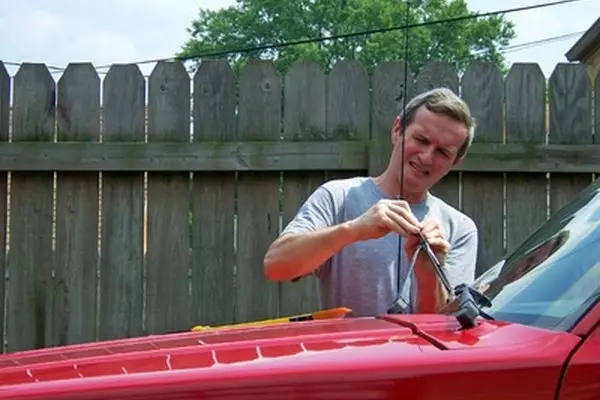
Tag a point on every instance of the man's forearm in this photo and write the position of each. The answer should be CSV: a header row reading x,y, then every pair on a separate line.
x,y
431,293
295,255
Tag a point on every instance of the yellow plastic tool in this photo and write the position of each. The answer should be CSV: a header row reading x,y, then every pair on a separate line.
x,y
332,313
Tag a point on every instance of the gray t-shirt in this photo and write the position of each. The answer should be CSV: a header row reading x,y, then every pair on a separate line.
x,y
364,275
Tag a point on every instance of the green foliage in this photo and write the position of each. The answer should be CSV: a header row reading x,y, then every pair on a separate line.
x,y
252,23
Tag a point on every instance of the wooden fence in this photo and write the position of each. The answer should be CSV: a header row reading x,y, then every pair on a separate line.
x,y
137,207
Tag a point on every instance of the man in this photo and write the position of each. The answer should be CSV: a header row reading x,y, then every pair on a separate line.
x,y
348,231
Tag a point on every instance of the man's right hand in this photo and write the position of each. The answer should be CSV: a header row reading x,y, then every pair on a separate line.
x,y
384,217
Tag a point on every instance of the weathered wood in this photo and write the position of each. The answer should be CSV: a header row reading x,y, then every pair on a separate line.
x,y
30,259
304,119
260,92
570,122
75,290
213,238
121,262
526,193
332,126
483,193
348,102
387,100
168,253
438,74
345,157
348,111
4,129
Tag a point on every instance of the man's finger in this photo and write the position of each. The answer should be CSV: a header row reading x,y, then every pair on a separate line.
x,y
407,216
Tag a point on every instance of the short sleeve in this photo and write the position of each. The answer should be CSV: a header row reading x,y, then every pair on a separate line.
x,y
316,213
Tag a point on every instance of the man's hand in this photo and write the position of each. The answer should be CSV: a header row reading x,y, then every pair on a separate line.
x,y
384,217
432,294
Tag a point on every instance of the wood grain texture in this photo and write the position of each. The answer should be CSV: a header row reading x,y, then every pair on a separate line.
x,y
168,306
304,119
258,199
483,193
122,258
570,122
525,123
333,156
75,288
5,95
387,100
30,259
213,199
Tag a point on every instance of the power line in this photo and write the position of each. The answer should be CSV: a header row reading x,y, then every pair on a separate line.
x,y
351,34
502,50
534,43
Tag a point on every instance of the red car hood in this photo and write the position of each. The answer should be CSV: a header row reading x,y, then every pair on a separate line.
x,y
212,358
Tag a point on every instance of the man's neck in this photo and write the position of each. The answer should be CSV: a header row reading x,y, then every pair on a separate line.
x,y
391,188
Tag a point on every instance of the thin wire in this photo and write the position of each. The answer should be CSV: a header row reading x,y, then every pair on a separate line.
x,y
403,138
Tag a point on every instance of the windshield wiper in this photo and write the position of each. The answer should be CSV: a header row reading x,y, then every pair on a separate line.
x,y
470,300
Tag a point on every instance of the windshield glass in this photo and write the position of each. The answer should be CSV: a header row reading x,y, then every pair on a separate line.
x,y
554,276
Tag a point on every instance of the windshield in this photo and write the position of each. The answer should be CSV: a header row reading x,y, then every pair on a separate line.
x,y
554,276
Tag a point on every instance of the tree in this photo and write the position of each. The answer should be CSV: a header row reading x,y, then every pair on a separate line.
x,y
252,23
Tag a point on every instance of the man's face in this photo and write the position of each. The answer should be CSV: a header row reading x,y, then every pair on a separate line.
x,y
431,146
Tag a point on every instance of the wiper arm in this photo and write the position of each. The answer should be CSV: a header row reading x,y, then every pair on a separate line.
x,y
470,299
469,302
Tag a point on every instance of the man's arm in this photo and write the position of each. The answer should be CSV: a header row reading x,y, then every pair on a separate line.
x,y
308,240
298,254
458,265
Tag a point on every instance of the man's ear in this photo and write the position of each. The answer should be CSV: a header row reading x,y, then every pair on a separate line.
x,y
395,131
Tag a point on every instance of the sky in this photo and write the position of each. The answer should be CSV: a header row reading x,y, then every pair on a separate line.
x,y
57,32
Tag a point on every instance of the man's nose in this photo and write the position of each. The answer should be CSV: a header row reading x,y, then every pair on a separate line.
x,y
427,155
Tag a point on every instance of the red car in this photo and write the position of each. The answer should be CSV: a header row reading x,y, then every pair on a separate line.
x,y
538,337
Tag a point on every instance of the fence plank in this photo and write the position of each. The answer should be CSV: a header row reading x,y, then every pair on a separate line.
x,y
75,291
121,266
4,130
570,122
387,100
213,201
168,252
304,119
30,259
438,74
483,200
348,110
341,157
525,123
258,193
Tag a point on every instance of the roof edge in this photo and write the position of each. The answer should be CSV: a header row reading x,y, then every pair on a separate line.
x,y
583,49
